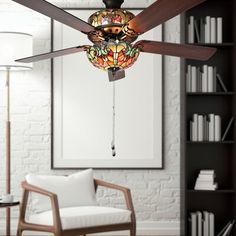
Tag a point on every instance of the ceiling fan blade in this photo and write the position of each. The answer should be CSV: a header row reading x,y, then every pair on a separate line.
x,y
116,75
49,55
177,50
57,14
159,12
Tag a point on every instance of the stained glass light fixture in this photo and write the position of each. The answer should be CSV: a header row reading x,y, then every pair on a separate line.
x,y
113,55
112,51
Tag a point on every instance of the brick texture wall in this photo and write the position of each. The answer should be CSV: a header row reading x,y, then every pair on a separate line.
x,y
156,193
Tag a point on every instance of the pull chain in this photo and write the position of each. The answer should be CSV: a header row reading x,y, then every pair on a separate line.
x,y
113,148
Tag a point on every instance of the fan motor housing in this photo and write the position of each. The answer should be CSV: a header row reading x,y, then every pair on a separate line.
x,y
110,24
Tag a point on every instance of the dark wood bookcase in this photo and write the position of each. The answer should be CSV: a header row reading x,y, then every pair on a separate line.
x,y
220,156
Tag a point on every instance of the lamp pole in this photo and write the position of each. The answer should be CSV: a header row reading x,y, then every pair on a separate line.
x,y
8,152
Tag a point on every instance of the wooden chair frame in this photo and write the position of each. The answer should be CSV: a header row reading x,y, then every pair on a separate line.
x,y
56,228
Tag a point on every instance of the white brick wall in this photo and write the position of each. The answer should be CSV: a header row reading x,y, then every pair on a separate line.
x,y
156,193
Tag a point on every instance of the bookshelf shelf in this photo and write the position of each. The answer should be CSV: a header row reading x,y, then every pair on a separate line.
x,y
217,75
213,192
207,142
218,45
211,94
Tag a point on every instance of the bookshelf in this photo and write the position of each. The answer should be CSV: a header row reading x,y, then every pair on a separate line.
x,y
219,156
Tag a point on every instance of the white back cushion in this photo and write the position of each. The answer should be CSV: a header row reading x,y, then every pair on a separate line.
x,y
73,190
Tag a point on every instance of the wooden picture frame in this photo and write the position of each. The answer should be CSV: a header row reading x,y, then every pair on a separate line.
x,y
82,107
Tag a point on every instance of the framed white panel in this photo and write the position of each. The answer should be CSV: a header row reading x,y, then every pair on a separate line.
x,y
82,107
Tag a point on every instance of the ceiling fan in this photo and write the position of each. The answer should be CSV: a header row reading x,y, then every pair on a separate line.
x,y
113,31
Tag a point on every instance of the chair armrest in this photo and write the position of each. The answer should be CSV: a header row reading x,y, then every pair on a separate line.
x,y
124,190
27,188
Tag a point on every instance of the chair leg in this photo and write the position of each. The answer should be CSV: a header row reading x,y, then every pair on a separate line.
x,y
19,232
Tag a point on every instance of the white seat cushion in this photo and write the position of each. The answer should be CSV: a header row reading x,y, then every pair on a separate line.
x,y
74,190
82,217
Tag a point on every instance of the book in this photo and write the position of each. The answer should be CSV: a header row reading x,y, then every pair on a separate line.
x,y
223,230
221,83
219,23
193,224
199,223
210,77
211,127
191,30
205,223
213,30
228,229
207,30
188,80
207,172
227,129
217,128
194,79
211,224
200,128
205,79
195,128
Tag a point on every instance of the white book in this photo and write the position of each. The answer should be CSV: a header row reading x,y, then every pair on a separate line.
x,y
193,224
223,229
199,223
211,224
211,127
207,172
217,128
205,181
200,128
213,30
195,128
206,177
219,38
188,79
194,78
205,223
207,29
210,77
228,229
205,79
191,30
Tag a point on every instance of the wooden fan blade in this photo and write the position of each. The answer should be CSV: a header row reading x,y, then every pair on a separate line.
x,y
49,55
159,12
57,14
116,75
177,50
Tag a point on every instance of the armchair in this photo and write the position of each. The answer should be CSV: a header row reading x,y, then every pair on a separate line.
x,y
74,221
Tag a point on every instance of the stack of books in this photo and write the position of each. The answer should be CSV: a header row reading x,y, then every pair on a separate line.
x,y
205,128
202,223
203,79
206,180
205,30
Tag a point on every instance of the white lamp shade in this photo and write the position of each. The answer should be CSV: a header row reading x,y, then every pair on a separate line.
x,y
14,46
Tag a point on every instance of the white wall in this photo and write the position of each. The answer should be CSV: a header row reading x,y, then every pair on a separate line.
x,y
156,193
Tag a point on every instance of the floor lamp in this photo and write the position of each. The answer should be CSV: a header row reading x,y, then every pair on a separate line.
x,y
13,45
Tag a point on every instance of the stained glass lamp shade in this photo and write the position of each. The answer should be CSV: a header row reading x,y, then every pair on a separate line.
x,y
113,55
